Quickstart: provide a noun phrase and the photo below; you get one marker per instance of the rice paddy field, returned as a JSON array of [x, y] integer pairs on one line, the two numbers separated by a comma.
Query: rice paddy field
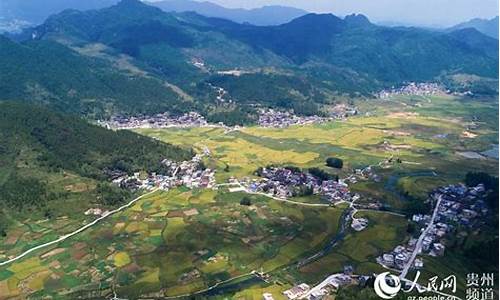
[[174, 243], [203, 242], [429, 134]]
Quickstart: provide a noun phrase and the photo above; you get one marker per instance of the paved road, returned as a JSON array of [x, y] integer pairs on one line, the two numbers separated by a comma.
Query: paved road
[[79, 230], [289, 201], [418, 246], [245, 190]]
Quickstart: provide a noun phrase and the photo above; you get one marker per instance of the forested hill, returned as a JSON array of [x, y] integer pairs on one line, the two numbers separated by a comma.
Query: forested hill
[[47, 72], [133, 58], [51, 163], [386, 54], [60, 142]]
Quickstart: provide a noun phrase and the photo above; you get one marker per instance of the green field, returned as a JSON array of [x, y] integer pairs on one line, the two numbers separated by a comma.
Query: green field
[[155, 244]]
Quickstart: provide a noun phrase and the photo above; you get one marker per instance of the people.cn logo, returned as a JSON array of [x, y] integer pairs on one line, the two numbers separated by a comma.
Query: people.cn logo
[[382, 287]]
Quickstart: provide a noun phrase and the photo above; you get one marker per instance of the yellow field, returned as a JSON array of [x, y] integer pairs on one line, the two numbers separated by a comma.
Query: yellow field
[[256, 293], [122, 259], [358, 139], [247, 156], [150, 276]]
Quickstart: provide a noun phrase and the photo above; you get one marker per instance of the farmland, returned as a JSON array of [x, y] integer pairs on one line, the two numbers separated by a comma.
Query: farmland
[[177, 242], [184, 241]]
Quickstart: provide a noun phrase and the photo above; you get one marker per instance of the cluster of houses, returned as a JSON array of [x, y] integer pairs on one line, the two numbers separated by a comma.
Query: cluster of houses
[[162, 120], [343, 111], [359, 224], [187, 173], [459, 205], [462, 204], [412, 88], [96, 212], [289, 182], [297, 291], [267, 117], [366, 173], [400, 256], [222, 96], [282, 119]]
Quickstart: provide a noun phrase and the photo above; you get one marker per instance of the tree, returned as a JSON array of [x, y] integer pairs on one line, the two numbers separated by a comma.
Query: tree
[[335, 162], [111, 195], [21, 192], [411, 228], [322, 175], [475, 178], [415, 206], [3, 225], [246, 201], [490, 183]]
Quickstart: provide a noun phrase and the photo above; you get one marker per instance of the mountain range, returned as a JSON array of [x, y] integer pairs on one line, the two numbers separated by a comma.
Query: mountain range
[[487, 27], [18, 14], [136, 58], [267, 15]]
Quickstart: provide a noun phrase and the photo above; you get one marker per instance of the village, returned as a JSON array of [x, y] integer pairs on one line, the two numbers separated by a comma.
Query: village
[[162, 120], [413, 89], [288, 182], [281, 119], [191, 174], [456, 204], [267, 118]]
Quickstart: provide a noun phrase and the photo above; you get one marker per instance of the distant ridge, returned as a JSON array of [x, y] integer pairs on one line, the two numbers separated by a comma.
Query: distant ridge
[[135, 58], [36, 11], [267, 15], [487, 27]]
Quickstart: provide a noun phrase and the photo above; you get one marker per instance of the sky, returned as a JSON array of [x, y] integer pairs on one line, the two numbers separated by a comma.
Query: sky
[[435, 13]]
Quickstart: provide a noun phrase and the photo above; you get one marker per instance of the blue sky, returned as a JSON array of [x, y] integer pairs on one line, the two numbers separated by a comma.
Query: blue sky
[[418, 12]]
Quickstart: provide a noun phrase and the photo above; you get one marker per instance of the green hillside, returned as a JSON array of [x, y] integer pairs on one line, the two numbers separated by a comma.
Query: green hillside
[[301, 65], [386, 54], [50, 73], [47, 157]]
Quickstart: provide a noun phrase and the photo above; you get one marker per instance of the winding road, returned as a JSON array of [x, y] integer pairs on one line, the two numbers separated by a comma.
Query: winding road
[[79, 230]]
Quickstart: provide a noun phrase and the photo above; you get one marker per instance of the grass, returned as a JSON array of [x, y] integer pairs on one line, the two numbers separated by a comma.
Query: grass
[[255, 293], [359, 249], [419, 187], [150, 276], [174, 227]]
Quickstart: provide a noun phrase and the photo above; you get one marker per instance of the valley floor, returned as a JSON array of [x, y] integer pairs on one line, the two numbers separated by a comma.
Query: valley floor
[[194, 241]]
